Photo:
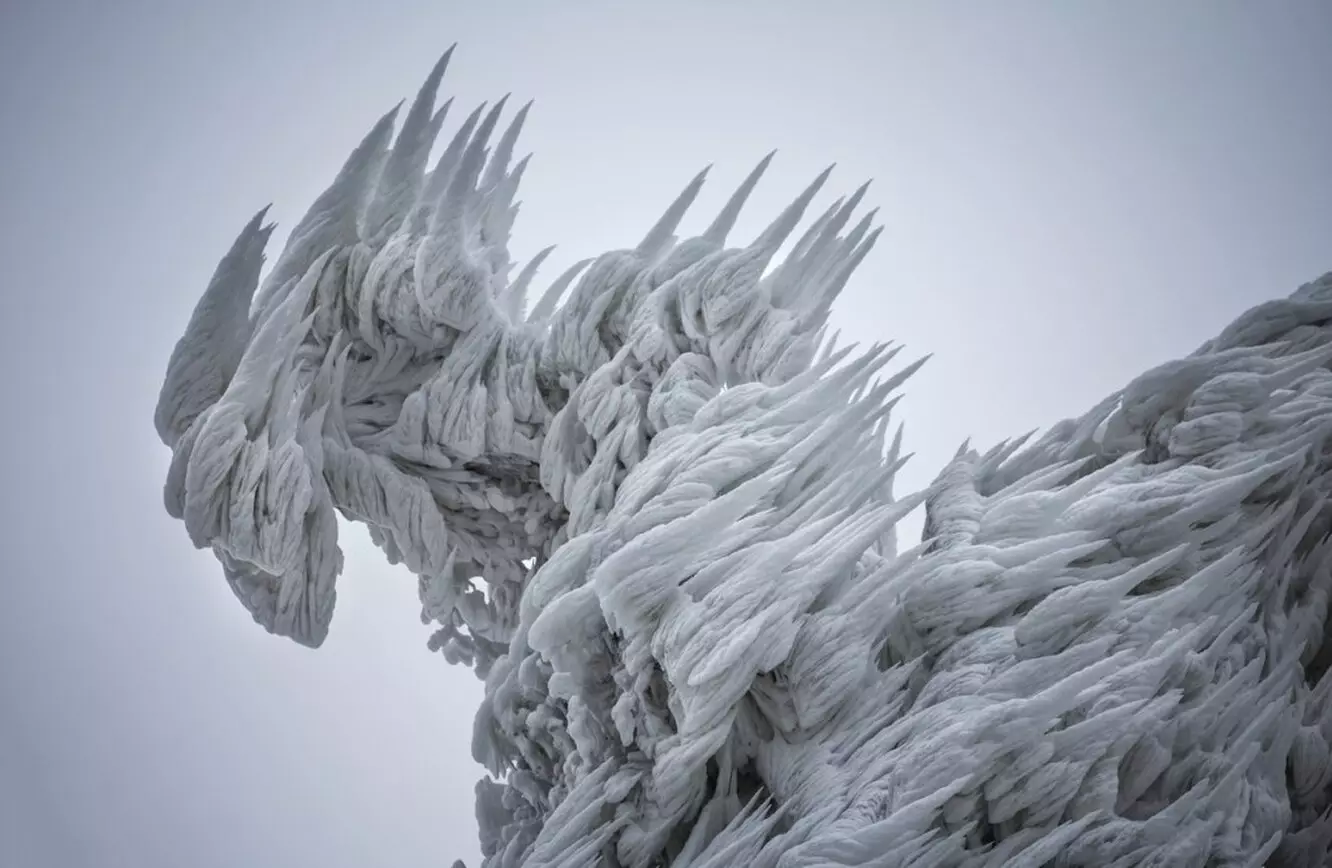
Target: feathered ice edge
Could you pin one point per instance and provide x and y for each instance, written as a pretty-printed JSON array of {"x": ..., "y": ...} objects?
[
  {"x": 700, "y": 642},
  {"x": 388, "y": 368}
]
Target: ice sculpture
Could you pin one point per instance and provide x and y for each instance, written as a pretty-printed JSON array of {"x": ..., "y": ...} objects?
[{"x": 656, "y": 516}]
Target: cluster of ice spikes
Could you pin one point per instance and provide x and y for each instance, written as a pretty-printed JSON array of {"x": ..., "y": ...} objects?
[{"x": 654, "y": 511}]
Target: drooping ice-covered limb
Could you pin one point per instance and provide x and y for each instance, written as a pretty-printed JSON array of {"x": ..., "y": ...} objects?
[{"x": 655, "y": 513}]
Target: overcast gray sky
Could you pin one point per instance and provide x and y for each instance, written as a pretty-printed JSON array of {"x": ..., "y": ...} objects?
[{"x": 1072, "y": 192}]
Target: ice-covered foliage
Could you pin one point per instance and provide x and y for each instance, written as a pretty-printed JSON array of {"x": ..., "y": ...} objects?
[{"x": 653, "y": 510}]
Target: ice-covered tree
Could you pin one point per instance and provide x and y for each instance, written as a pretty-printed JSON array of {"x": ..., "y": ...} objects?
[{"x": 654, "y": 511}]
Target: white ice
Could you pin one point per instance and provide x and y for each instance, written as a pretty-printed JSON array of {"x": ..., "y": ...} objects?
[{"x": 653, "y": 508}]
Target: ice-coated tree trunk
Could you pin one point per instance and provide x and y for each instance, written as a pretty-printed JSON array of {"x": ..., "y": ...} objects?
[{"x": 654, "y": 511}]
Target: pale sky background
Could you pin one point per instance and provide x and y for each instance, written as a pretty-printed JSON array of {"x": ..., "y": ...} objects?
[{"x": 1073, "y": 192}]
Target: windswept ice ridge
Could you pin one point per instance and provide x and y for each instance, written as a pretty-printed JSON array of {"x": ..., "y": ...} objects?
[{"x": 653, "y": 508}]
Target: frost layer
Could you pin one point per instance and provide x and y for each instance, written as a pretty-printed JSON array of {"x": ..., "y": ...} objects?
[{"x": 654, "y": 511}]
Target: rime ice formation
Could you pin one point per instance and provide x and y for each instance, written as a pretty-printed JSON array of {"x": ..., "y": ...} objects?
[{"x": 654, "y": 512}]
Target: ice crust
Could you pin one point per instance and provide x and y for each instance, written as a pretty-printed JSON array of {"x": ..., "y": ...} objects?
[{"x": 653, "y": 510}]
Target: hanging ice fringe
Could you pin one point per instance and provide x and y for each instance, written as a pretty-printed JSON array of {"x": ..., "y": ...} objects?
[{"x": 652, "y": 508}]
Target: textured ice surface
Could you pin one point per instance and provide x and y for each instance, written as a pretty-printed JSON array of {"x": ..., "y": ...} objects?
[{"x": 653, "y": 509}]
